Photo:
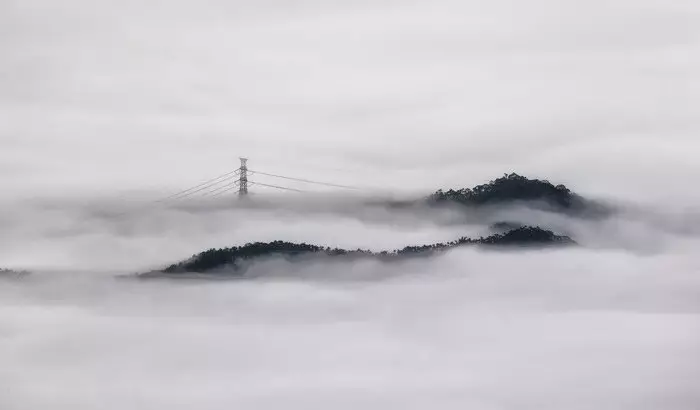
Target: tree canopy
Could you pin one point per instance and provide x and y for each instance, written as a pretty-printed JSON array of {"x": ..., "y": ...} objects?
[
  {"x": 216, "y": 259},
  {"x": 508, "y": 188}
]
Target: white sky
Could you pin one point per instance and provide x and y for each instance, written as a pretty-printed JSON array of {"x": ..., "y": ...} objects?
[{"x": 116, "y": 95}]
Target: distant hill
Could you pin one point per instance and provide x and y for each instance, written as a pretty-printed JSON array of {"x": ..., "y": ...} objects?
[
  {"x": 512, "y": 188},
  {"x": 235, "y": 258}
]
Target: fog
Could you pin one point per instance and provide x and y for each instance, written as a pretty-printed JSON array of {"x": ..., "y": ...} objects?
[
  {"x": 590, "y": 331},
  {"x": 107, "y": 106},
  {"x": 607, "y": 325}
]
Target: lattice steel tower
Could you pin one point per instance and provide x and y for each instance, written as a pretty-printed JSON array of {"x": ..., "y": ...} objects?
[{"x": 243, "y": 178}]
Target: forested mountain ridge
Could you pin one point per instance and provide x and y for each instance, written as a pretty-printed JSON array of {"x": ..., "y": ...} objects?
[
  {"x": 230, "y": 259},
  {"x": 509, "y": 188}
]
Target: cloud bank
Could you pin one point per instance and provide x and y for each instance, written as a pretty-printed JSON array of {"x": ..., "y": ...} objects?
[{"x": 612, "y": 324}]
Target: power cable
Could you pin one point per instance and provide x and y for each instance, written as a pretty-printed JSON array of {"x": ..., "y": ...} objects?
[
  {"x": 276, "y": 186},
  {"x": 224, "y": 188},
  {"x": 198, "y": 188},
  {"x": 308, "y": 181},
  {"x": 225, "y": 191}
]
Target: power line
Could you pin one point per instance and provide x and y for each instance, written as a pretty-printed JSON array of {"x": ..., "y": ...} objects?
[
  {"x": 223, "y": 183},
  {"x": 201, "y": 189},
  {"x": 224, "y": 188},
  {"x": 275, "y": 186},
  {"x": 308, "y": 181},
  {"x": 198, "y": 188},
  {"x": 227, "y": 190}
]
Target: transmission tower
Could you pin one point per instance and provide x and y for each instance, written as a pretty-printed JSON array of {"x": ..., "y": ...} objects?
[{"x": 243, "y": 178}]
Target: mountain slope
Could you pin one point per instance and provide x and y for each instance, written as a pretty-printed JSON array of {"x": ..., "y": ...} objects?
[{"x": 231, "y": 259}]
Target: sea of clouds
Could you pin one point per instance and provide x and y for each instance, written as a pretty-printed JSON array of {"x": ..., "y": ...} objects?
[
  {"x": 106, "y": 105},
  {"x": 612, "y": 324}
]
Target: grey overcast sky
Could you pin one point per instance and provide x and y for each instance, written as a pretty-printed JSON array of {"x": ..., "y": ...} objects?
[{"x": 105, "y": 95}]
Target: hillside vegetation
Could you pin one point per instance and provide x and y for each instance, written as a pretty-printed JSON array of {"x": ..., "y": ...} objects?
[
  {"x": 232, "y": 258},
  {"x": 514, "y": 188}
]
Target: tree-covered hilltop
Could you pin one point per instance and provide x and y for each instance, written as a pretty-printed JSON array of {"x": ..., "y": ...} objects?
[
  {"x": 233, "y": 258},
  {"x": 510, "y": 188},
  {"x": 526, "y": 236},
  {"x": 216, "y": 258}
]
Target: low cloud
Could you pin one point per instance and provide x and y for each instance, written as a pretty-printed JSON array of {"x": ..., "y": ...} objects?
[
  {"x": 586, "y": 328},
  {"x": 607, "y": 325}
]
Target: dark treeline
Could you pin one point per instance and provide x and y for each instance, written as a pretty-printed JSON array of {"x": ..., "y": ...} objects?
[
  {"x": 231, "y": 258},
  {"x": 512, "y": 188}
]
